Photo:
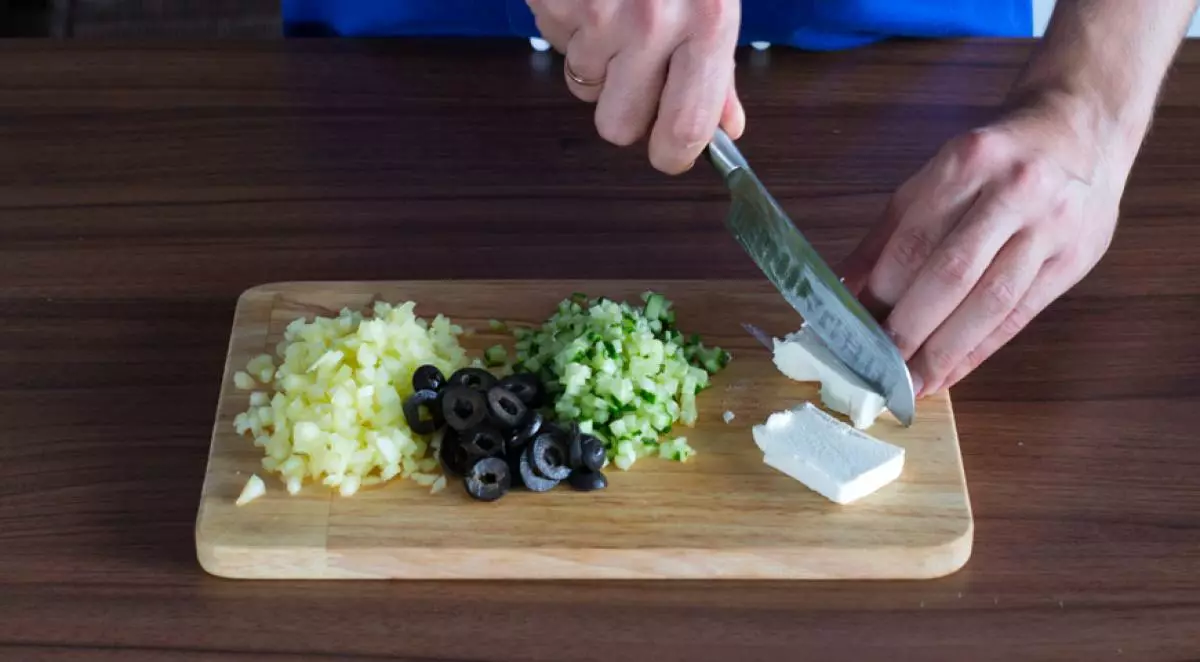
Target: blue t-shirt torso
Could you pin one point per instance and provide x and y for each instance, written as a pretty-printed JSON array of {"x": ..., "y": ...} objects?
[{"x": 809, "y": 24}]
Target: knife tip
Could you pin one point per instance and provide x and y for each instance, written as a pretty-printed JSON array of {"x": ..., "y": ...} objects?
[{"x": 759, "y": 335}]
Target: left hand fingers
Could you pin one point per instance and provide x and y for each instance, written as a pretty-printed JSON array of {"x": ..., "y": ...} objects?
[
  {"x": 1050, "y": 283},
  {"x": 994, "y": 304},
  {"x": 950, "y": 273}
]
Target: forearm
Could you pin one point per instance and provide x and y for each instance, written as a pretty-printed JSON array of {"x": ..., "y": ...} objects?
[{"x": 1102, "y": 63}]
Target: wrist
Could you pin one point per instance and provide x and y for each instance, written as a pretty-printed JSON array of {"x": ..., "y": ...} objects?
[{"x": 1104, "y": 135}]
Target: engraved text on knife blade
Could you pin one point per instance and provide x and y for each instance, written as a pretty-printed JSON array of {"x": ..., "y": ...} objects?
[{"x": 765, "y": 236}]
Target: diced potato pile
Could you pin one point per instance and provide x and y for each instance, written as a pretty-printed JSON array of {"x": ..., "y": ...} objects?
[{"x": 336, "y": 415}]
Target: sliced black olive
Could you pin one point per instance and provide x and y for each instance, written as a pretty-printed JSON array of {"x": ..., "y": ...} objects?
[
  {"x": 483, "y": 441},
  {"x": 476, "y": 379},
  {"x": 526, "y": 386},
  {"x": 549, "y": 457},
  {"x": 555, "y": 430},
  {"x": 463, "y": 408},
  {"x": 587, "y": 481},
  {"x": 488, "y": 479},
  {"x": 530, "y": 477},
  {"x": 454, "y": 458},
  {"x": 533, "y": 425},
  {"x": 575, "y": 450},
  {"x": 428, "y": 377},
  {"x": 593, "y": 453},
  {"x": 423, "y": 400},
  {"x": 505, "y": 408},
  {"x": 513, "y": 458}
]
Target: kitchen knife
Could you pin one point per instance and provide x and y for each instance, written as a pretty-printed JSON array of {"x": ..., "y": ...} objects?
[{"x": 763, "y": 229}]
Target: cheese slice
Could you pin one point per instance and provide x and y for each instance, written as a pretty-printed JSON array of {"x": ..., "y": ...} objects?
[
  {"x": 804, "y": 357},
  {"x": 828, "y": 456}
]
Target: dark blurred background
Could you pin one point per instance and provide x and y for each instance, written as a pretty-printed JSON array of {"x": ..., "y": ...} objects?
[{"x": 147, "y": 18}]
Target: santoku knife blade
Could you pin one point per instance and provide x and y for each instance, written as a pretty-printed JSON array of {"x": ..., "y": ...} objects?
[{"x": 763, "y": 229}]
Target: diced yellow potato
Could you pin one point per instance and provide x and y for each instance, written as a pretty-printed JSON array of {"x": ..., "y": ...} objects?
[
  {"x": 260, "y": 362},
  {"x": 241, "y": 423},
  {"x": 424, "y": 480},
  {"x": 335, "y": 415},
  {"x": 254, "y": 488},
  {"x": 243, "y": 381},
  {"x": 438, "y": 485},
  {"x": 350, "y": 485}
]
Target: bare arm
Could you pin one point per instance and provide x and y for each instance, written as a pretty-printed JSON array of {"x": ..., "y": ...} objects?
[
  {"x": 1008, "y": 217},
  {"x": 1104, "y": 61}
]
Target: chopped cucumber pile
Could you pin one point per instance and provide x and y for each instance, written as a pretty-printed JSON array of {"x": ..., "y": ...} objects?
[
  {"x": 624, "y": 373},
  {"x": 495, "y": 356}
]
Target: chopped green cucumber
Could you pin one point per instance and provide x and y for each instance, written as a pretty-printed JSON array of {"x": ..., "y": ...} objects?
[
  {"x": 624, "y": 373},
  {"x": 495, "y": 355}
]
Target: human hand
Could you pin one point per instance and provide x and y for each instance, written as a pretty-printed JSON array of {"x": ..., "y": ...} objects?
[
  {"x": 999, "y": 224},
  {"x": 662, "y": 66}
]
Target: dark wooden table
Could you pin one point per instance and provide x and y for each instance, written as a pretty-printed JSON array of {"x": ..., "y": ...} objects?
[{"x": 143, "y": 187}]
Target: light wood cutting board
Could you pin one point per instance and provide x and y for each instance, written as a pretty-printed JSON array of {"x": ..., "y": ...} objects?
[{"x": 723, "y": 514}]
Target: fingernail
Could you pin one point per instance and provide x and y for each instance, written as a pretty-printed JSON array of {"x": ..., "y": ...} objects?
[{"x": 918, "y": 384}]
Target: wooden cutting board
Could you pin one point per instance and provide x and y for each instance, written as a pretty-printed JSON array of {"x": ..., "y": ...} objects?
[{"x": 723, "y": 514}]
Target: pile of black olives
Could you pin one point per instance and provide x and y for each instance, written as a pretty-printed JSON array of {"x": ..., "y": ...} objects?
[{"x": 496, "y": 438}]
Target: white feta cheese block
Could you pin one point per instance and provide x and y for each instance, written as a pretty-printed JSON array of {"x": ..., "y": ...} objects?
[
  {"x": 803, "y": 356},
  {"x": 831, "y": 458}
]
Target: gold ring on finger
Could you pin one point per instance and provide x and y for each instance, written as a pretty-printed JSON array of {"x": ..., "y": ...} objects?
[{"x": 580, "y": 79}]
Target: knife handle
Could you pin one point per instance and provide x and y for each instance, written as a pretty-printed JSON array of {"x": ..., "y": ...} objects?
[{"x": 724, "y": 155}]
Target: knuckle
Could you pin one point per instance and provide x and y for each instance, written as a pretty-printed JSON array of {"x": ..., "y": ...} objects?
[
  {"x": 617, "y": 129},
  {"x": 952, "y": 267},
  {"x": 978, "y": 148},
  {"x": 1028, "y": 178},
  {"x": 554, "y": 10},
  {"x": 1016, "y": 320},
  {"x": 912, "y": 248},
  {"x": 999, "y": 296},
  {"x": 940, "y": 360},
  {"x": 1079, "y": 261},
  {"x": 710, "y": 18},
  {"x": 973, "y": 360},
  {"x": 652, "y": 18},
  {"x": 689, "y": 128},
  {"x": 598, "y": 14}
]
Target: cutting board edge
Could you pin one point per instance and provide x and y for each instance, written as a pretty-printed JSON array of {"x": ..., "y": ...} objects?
[
  {"x": 931, "y": 562},
  {"x": 241, "y": 311}
]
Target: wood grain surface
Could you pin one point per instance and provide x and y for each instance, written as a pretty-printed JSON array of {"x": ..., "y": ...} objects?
[
  {"x": 143, "y": 187},
  {"x": 722, "y": 515},
  {"x": 163, "y": 19}
]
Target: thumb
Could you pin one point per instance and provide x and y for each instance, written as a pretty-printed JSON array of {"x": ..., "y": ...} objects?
[{"x": 733, "y": 115}]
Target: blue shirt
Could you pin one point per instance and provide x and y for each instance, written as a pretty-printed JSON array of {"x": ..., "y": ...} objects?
[{"x": 808, "y": 24}]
